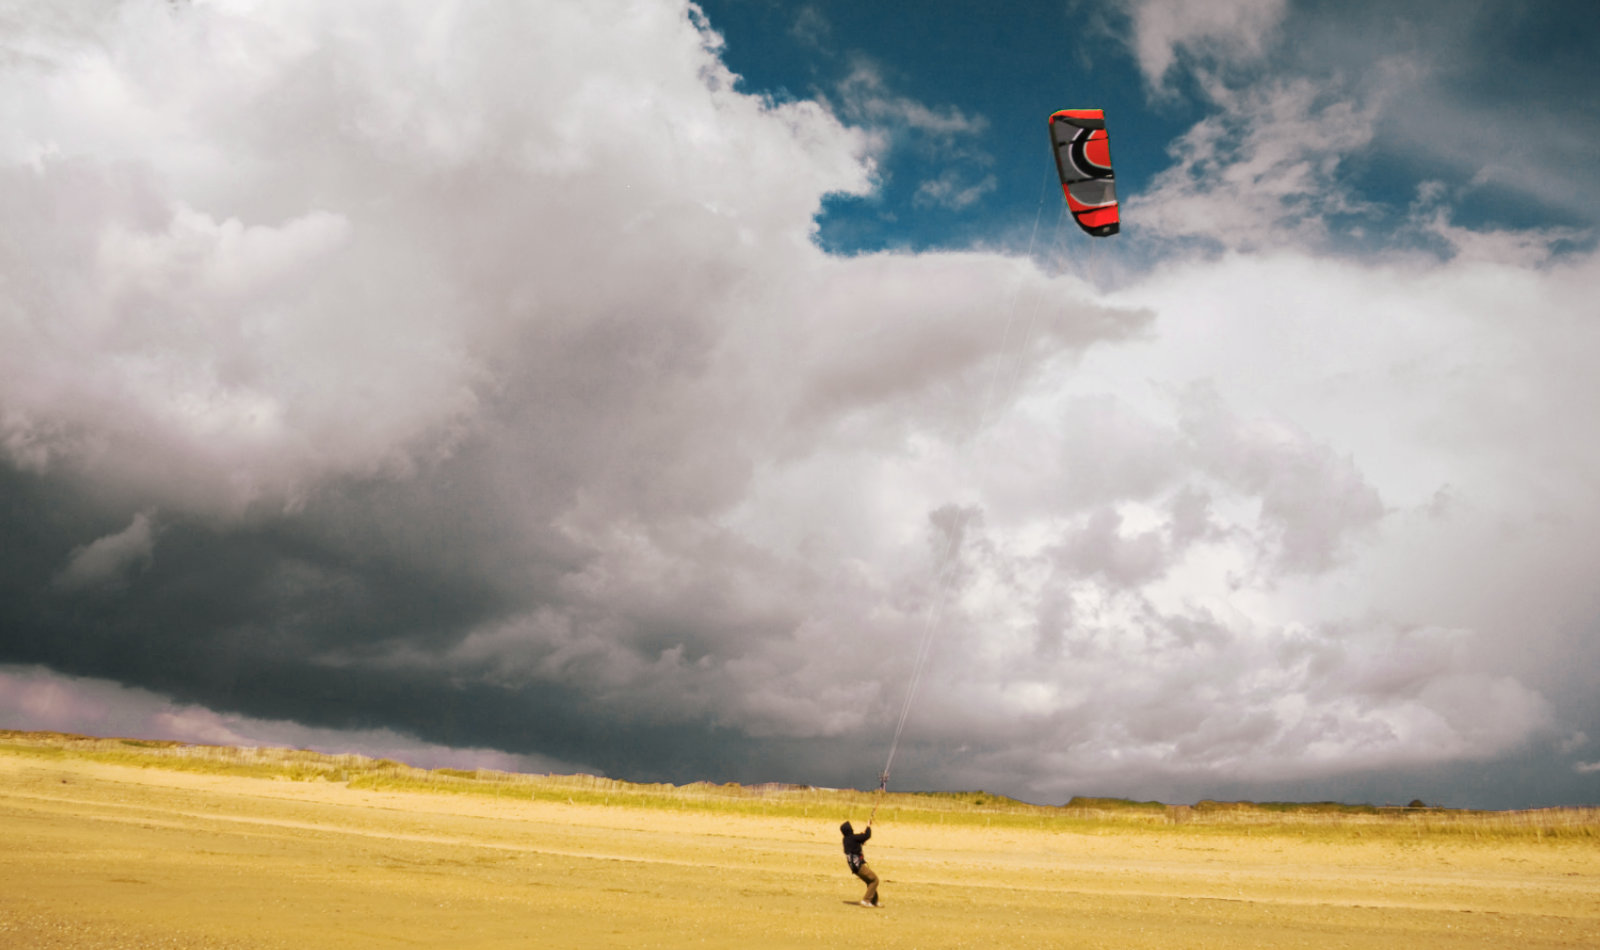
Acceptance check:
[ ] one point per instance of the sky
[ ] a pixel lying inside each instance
(719, 392)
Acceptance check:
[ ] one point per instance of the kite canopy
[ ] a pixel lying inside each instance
(1083, 157)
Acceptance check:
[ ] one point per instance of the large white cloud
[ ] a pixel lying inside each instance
(256, 245)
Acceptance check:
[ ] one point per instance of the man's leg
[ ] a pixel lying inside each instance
(872, 884)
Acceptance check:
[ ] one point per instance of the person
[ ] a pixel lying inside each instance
(858, 861)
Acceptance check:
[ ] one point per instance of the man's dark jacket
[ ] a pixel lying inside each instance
(853, 841)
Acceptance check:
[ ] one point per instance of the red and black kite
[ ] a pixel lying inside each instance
(1083, 157)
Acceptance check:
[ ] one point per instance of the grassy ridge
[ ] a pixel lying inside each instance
(1080, 815)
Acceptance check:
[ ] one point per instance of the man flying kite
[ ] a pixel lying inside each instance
(858, 861)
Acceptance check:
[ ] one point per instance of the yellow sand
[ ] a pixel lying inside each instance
(95, 855)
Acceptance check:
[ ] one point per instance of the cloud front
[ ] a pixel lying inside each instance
(468, 376)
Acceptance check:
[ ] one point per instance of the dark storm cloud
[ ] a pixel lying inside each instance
(286, 621)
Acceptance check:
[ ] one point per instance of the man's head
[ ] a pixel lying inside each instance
(846, 829)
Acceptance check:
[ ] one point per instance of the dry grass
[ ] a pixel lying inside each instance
(1320, 820)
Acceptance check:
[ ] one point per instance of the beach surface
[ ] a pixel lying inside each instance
(98, 855)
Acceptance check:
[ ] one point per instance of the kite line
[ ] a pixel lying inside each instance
(947, 566)
(1082, 153)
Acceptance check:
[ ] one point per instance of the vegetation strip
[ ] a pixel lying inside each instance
(1080, 814)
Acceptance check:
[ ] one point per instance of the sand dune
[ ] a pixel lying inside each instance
(103, 855)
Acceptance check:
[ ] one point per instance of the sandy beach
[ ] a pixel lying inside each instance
(99, 855)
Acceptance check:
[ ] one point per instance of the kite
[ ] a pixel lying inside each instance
(1083, 157)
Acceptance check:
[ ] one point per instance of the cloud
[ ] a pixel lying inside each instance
(492, 391)
(215, 331)
(1463, 58)
(1263, 170)
(811, 26)
(106, 561)
(34, 699)
(390, 338)
(952, 191)
(1215, 32)
(907, 132)
(1364, 96)
(1310, 499)
(865, 95)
